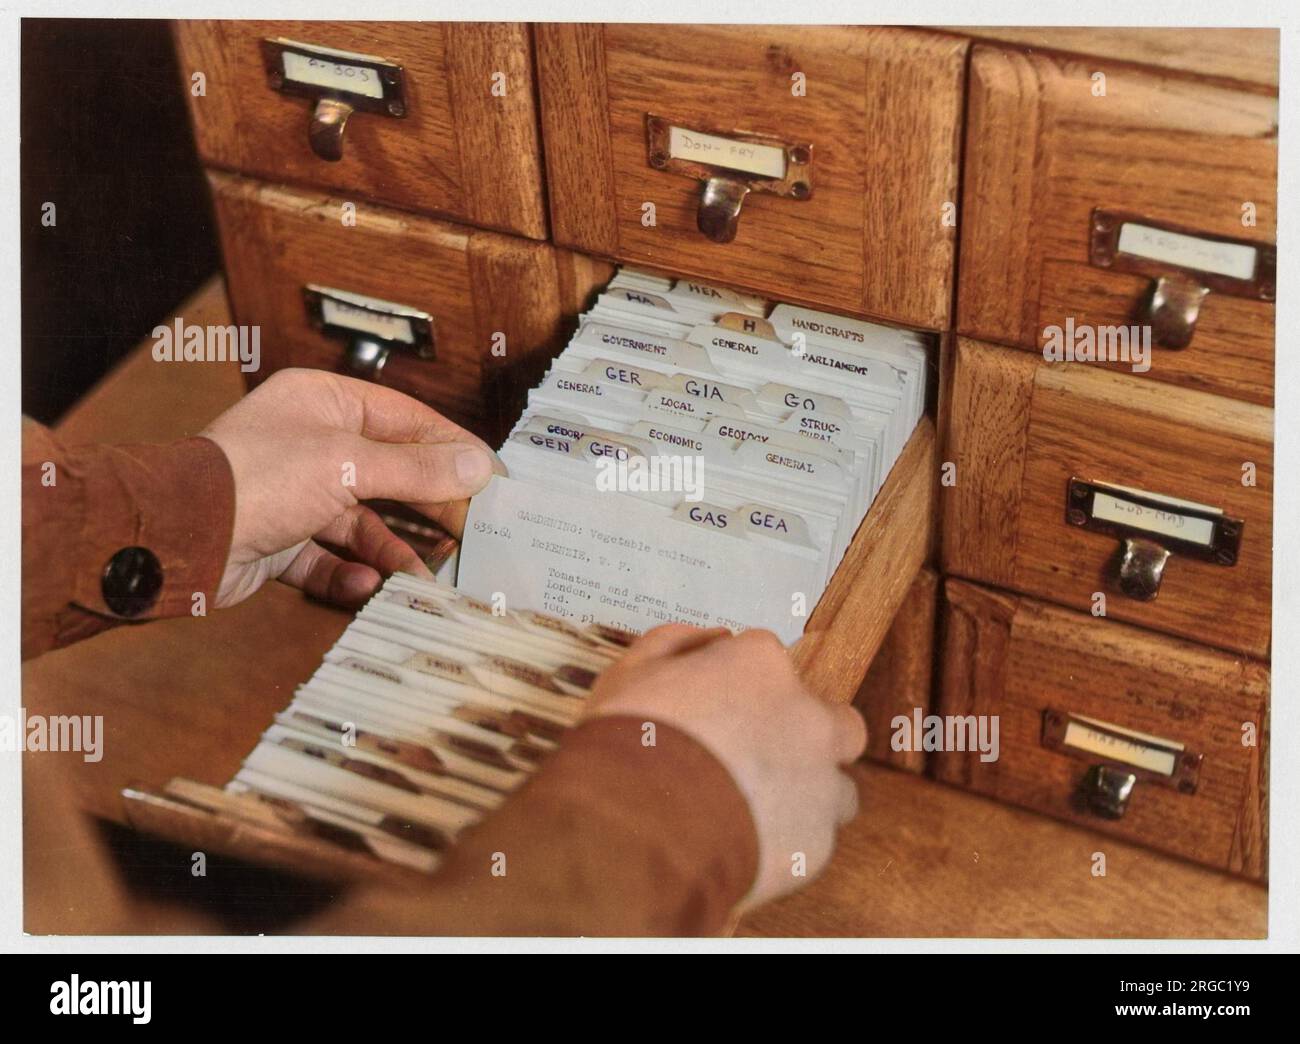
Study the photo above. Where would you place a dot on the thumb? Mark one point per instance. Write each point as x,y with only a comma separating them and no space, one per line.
423,472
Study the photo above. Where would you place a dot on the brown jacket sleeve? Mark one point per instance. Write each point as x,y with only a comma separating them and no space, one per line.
610,838
83,505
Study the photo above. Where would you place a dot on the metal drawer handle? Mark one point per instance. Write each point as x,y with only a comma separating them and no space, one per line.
720,203
340,82
1141,568
325,133
364,357
1106,791
373,329
1117,758
731,165
1150,527
1183,264
1172,309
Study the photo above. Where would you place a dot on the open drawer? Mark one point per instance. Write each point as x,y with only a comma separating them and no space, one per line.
844,632
188,698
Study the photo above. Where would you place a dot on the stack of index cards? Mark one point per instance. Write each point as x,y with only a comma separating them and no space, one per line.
694,454
427,713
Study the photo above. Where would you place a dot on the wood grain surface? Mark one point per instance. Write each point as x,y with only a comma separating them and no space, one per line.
855,612
1043,151
1022,428
882,110
1017,658
190,697
900,676
1248,55
461,151
475,284
926,860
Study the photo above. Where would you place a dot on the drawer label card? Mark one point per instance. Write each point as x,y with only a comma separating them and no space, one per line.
318,71
1127,242
1234,260
1161,521
365,82
341,313
1196,530
757,162
1163,760
749,157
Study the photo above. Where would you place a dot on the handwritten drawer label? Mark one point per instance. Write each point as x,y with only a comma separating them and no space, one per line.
346,314
1234,260
1164,522
1123,745
1166,762
1204,532
386,326
751,157
321,72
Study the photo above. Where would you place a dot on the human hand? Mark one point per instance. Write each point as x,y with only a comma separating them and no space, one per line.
739,696
305,447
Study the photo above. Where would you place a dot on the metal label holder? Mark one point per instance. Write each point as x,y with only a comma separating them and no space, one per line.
725,187
1173,304
1108,784
368,350
335,103
1186,775
1144,552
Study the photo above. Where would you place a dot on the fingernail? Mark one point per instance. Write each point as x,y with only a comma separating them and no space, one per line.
473,468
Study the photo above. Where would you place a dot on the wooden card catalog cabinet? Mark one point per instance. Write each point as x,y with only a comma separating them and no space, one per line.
812,164
437,117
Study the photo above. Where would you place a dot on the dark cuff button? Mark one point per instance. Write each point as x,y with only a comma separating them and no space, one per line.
132,580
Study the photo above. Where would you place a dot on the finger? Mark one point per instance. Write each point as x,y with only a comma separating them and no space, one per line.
386,415
322,574
449,516
671,640
849,732
429,476
364,535
846,799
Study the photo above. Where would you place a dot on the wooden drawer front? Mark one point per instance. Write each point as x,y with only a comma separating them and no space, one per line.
476,285
1023,661
1248,55
901,673
461,150
1044,154
1021,429
882,113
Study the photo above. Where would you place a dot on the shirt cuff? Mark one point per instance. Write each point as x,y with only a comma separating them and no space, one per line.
175,502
